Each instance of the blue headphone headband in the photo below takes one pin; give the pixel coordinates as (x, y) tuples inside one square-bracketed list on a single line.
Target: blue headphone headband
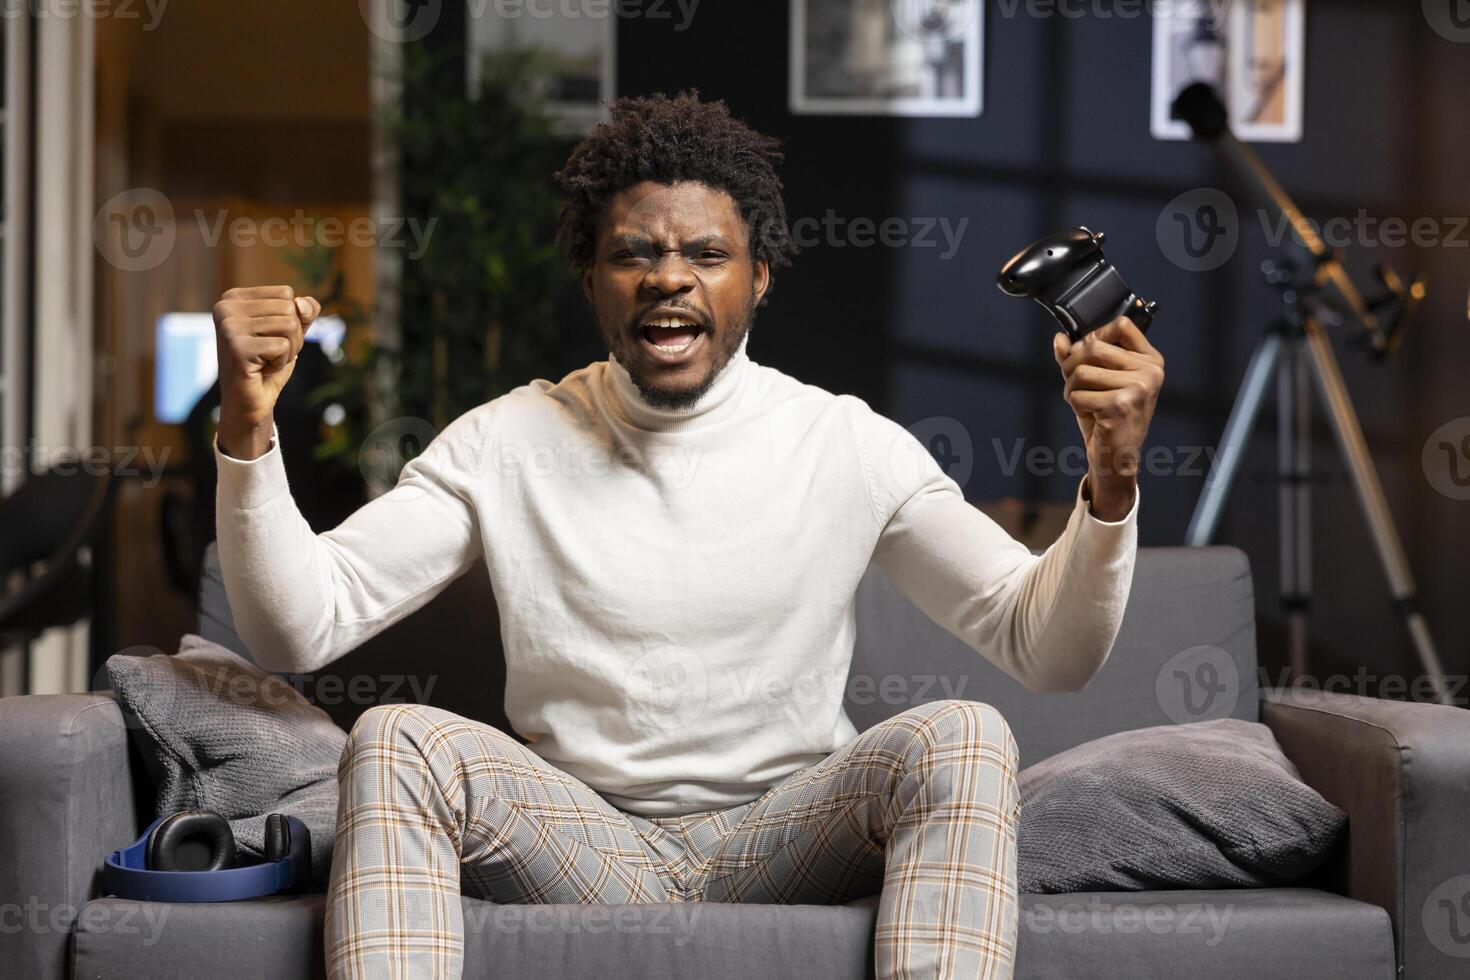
[(125, 874)]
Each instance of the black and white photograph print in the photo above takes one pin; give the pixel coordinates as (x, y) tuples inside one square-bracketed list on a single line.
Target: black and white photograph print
[(886, 57)]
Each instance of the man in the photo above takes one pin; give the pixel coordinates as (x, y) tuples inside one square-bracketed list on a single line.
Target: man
[(674, 537)]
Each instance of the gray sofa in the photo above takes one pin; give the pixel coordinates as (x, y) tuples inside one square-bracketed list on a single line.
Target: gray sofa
[(71, 790)]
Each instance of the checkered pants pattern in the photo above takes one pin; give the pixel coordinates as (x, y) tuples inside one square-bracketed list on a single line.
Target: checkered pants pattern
[(921, 809)]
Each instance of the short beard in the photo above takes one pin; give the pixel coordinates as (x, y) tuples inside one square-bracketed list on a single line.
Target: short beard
[(681, 398)]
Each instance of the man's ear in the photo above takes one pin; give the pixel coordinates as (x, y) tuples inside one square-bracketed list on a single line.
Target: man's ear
[(587, 283), (762, 279)]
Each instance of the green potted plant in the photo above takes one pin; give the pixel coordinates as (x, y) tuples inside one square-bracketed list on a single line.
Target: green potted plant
[(488, 302)]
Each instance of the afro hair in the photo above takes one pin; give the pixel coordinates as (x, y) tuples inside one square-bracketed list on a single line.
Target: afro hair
[(668, 140)]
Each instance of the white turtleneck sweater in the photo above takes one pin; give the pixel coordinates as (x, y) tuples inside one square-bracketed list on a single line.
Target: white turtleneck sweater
[(675, 587)]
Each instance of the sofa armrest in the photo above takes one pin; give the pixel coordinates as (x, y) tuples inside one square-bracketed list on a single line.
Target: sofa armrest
[(1401, 771), (67, 786)]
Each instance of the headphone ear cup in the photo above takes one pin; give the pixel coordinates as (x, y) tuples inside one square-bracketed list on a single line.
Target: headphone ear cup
[(192, 840), (277, 838)]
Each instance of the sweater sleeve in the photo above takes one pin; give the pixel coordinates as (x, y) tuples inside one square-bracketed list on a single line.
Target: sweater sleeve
[(1047, 620), (300, 600)]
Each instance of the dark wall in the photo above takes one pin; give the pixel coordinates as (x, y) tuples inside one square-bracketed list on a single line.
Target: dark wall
[(1064, 139)]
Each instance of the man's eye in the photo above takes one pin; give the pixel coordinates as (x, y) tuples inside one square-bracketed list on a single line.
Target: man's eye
[(710, 255)]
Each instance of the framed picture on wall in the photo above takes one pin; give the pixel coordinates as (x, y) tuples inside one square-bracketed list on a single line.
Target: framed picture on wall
[(1251, 51), (886, 57), (581, 48)]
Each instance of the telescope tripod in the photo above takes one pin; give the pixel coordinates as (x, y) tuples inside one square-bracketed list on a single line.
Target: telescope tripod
[(1300, 356)]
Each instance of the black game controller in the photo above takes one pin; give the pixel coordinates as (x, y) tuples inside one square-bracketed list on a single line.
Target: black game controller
[(1068, 274)]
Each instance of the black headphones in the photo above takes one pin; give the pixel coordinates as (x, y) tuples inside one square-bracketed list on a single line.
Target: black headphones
[(193, 840), (190, 856)]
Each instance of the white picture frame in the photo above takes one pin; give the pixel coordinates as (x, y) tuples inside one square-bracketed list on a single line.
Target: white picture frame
[(887, 57), (1255, 58)]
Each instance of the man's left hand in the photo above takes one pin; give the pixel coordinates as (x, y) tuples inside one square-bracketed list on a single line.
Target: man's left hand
[(1113, 376)]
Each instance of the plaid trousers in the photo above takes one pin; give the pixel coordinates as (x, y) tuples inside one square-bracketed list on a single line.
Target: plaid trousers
[(921, 809)]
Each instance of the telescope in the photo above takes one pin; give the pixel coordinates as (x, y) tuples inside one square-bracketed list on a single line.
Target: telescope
[(1316, 293), (1308, 267)]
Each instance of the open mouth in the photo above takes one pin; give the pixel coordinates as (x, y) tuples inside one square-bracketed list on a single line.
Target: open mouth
[(671, 337)]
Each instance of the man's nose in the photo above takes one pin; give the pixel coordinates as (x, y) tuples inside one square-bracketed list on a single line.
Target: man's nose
[(670, 273)]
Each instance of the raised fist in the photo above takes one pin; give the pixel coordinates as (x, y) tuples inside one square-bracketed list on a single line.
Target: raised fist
[(259, 331)]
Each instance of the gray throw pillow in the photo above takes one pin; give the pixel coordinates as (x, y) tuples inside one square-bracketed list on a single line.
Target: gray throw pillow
[(1212, 804), (217, 732)]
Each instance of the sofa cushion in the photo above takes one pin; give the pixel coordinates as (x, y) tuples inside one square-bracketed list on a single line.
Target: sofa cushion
[(1207, 805), (218, 733), (1209, 935), (1185, 652), (281, 938), (1227, 934)]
